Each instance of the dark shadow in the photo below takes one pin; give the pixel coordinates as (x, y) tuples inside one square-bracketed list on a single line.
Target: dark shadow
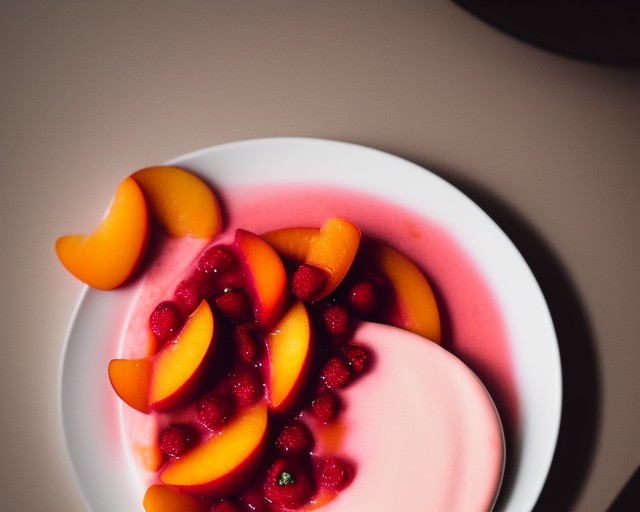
[(603, 31), (580, 373)]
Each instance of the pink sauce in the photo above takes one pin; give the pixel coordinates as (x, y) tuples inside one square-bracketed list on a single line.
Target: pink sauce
[(472, 326)]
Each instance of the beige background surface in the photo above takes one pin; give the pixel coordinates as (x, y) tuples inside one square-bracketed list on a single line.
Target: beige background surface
[(547, 145)]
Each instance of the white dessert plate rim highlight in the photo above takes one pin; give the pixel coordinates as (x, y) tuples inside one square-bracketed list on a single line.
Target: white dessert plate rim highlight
[(89, 407)]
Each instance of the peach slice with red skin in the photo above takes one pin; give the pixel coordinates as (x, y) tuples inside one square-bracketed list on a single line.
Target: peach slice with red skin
[(160, 498), (183, 204), (223, 462), (267, 277), (163, 380), (106, 258), (332, 248), (291, 243), (289, 349), (415, 308)]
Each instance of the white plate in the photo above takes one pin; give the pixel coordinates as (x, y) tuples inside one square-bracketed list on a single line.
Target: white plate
[(89, 406)]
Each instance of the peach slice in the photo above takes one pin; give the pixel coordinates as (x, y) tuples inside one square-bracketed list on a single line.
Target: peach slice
[(291, 243), (163, 380), (221, 462), (183, 204), (416, 309), (106, 258), (334, 249), (289, 349), (160, 498), (266, 274)]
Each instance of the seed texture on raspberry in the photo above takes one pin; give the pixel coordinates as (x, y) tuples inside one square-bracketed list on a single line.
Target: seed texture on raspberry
[(358, 358), (336, 319), (187, 295), (333, 473), (308, 281), (235, 305), (363, 297), (335, 374), (295, 438), (214, 410), (289, 483), (326, 407), (217, 260), (248, 343), (166, 320), (174, 440), (247, 387)]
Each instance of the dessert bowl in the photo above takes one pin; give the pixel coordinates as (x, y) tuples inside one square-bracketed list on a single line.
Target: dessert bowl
[(495, 317)]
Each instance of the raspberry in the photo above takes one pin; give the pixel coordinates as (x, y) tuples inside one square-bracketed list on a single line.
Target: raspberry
[(174, 440), (216, 260), (235, 305), (308, 281), (214, 410), (289, 484), (336, 319), (247, 343), (357, 357), (166, 320), (187, 295), (247, 388), (326, 407), (363, 297), (332, 473), (225, 506), (335, 374), (295, 438)]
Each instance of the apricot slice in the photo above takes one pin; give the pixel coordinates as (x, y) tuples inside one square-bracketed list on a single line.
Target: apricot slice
[(106, 258), (163, 380), (160, 498), (266, 274), (183, 204), (415, 304), (291, 243), (221, 462), (289, 348), (334, 249)]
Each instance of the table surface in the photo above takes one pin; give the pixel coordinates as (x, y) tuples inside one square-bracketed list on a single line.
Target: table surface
[(546, 144)]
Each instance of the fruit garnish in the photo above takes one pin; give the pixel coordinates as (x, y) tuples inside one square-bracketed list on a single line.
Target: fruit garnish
[(295, 438), (289, 484), (308, 281), (248, 342), (326, 407), (358, 358), (108, 257), (247, 387), (182, 203), (333, 249), (174, 440), (335, 373), (166, 320), (289, 350), (416, 308), (332, 473), (222, 462), (214, 410), (165, 379), (216, 260), (336, 319), (235, 305), (265, 275)]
